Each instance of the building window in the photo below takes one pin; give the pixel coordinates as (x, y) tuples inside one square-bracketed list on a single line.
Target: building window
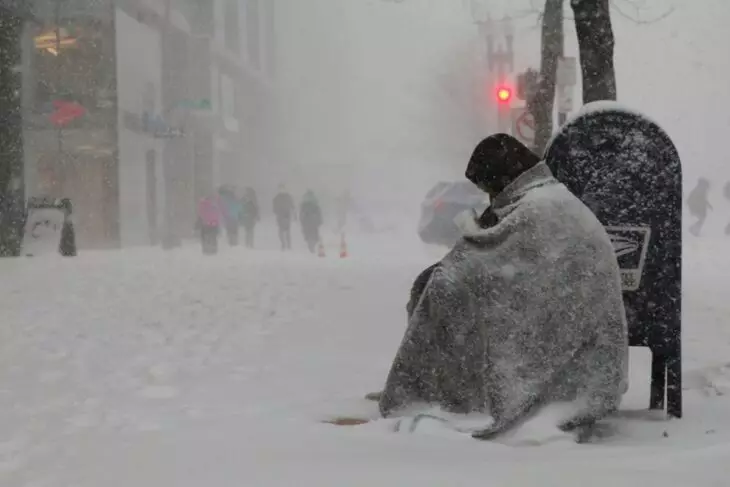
[(253, 32), (232, 39)]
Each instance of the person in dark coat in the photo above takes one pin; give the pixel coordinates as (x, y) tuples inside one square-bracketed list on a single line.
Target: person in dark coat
[(249, 215), (699, 204), (508, 160), (310, 217), (285, 211)]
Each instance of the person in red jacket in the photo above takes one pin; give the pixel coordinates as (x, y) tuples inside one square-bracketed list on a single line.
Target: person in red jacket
[(209, 219)]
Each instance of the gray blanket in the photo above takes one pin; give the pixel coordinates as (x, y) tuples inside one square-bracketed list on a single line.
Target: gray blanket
[(520, 314)]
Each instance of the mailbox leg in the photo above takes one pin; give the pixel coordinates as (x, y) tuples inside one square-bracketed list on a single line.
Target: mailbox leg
[(674, 385), (658, 381)]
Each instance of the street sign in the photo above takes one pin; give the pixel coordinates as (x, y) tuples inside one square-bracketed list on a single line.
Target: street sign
[(523, 126), (567, 74)]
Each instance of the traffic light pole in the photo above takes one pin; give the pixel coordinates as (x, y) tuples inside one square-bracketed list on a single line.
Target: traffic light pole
[(500, 62)]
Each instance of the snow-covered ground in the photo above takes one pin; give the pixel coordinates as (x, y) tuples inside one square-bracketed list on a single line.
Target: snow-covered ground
[(146, 368)]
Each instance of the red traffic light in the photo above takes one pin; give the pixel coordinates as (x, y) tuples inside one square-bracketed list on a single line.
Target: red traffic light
[(504, 94)]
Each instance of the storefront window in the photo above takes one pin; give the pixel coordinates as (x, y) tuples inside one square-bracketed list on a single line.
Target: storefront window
[(69, 113), (73, 84)]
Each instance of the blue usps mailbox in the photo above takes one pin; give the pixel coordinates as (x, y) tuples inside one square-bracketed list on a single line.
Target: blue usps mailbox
[(628, 171)]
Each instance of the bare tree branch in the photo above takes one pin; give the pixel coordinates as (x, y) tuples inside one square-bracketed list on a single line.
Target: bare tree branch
[(638, 6)]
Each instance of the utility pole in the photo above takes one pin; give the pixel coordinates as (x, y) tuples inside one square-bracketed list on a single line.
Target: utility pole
[(541, 105)]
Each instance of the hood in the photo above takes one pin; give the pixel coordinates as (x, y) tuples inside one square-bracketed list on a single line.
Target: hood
[(497, 161)]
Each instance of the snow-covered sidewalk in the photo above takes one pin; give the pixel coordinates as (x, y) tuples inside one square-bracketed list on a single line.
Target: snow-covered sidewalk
[(148, 368)]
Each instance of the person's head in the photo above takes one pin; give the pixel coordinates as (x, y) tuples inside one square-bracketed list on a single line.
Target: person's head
[(497, 161), (703, 183), (282, 188), (66, 206)]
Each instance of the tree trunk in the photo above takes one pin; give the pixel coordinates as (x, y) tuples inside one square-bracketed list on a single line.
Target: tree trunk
[(595, 43), (541, 105)]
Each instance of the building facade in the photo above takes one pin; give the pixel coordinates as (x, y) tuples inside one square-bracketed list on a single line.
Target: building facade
[(135, 109)]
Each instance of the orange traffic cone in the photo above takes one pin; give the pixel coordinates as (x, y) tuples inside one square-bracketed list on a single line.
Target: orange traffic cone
[(343, 247), (320, 249)]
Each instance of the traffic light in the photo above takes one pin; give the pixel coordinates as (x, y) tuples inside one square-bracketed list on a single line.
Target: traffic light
[(504, 94)]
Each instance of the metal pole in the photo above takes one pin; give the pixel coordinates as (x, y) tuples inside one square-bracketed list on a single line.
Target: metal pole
[(503, 110), (504, 63)]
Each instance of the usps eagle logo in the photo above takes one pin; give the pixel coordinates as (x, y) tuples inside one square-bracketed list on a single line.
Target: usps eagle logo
[(631, 245), (624, 245)]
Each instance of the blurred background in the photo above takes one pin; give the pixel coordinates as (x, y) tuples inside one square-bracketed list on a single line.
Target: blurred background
[(138, 108)]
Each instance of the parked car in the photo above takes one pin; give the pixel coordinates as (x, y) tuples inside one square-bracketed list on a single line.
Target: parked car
[(442, 204)]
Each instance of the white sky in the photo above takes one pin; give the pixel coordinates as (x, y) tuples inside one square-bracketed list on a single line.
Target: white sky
[(360, 77)]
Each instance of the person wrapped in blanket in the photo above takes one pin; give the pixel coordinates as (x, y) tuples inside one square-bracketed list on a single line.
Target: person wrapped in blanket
[(524, 311)]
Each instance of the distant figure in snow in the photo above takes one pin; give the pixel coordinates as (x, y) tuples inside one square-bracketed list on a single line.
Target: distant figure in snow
[(699, 204), (310, 217), (208, 223), (231, 211), (249, 215), (285, 211)]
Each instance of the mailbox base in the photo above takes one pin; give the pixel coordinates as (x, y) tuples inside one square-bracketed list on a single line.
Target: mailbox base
[(666, 383)]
